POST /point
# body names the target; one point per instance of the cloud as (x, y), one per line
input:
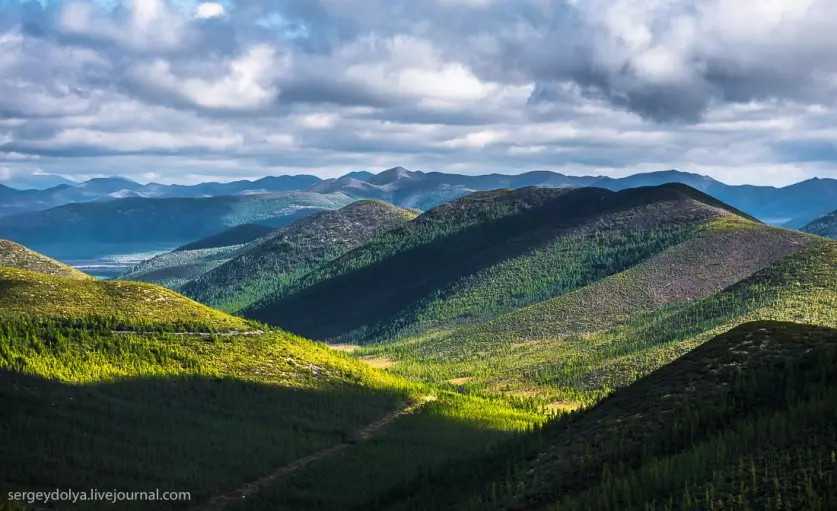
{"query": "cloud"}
(741, 89)
(209, 10)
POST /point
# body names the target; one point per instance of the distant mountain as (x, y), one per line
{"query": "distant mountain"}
(419, 190)
(280, 258)
(794, 206)
(35, 181)
(112, 188)
(487, 254)
(825, 226)
(93, 229)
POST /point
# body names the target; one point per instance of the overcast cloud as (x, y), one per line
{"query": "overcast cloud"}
(183, 91)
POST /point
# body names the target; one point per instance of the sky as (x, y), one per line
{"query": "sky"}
(179, 91)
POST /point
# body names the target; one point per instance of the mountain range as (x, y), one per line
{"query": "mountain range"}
(793, 206)
(89, 230)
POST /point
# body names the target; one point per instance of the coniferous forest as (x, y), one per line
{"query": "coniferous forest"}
(648, 349)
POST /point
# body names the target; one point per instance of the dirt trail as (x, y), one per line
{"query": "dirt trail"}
(364, 434)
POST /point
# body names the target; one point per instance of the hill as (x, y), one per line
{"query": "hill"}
(575, 348)
(89, 230)
(17, 256)
(124, 385)
(742, 422)
(173, 269)
(238, 235)
(279, 259)
(484, 255)
(176, 268)
(25, 294)
(825, 226)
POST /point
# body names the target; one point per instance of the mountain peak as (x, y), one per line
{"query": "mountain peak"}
(391, 175)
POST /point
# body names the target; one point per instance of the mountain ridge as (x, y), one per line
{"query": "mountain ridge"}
(526, 230)
(284, 255)
(794, 206)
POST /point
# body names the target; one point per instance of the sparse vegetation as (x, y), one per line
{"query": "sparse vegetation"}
(17, 256)
(482, 256)
(579, 347)
(274, 262)
(745, 421)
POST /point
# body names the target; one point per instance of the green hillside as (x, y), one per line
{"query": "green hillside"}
(17, 256)
(176, 268)
(131, 386)
(484, 255)
(26, 294)
(574, 349)
(745, 421)
(238, 235)
(276, 261)
(825, 226)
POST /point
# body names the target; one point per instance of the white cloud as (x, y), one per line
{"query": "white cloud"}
(249, 81)
(743, 90)
(209, 10)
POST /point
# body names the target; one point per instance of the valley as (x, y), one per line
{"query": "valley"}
(294, 350)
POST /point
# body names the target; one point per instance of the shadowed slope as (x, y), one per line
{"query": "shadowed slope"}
(577, 347)
(275, 261)
(744, 421)
(484, 255)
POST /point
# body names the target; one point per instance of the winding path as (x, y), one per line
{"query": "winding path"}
(366, 433)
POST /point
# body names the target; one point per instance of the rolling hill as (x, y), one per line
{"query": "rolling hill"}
(282, 257)
(17, 256)
(239, 235)
(89, 230)
(485, 255)
(175, 268)
(825, 226)
(744, 421)
(573, 349)
(132, 386)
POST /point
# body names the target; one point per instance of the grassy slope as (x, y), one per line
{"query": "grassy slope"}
(269, 264)
(745, 421)
(174, 269)
(89, 406)
(484, 255)
(576, 348)
(26, 294)
(17, 256)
